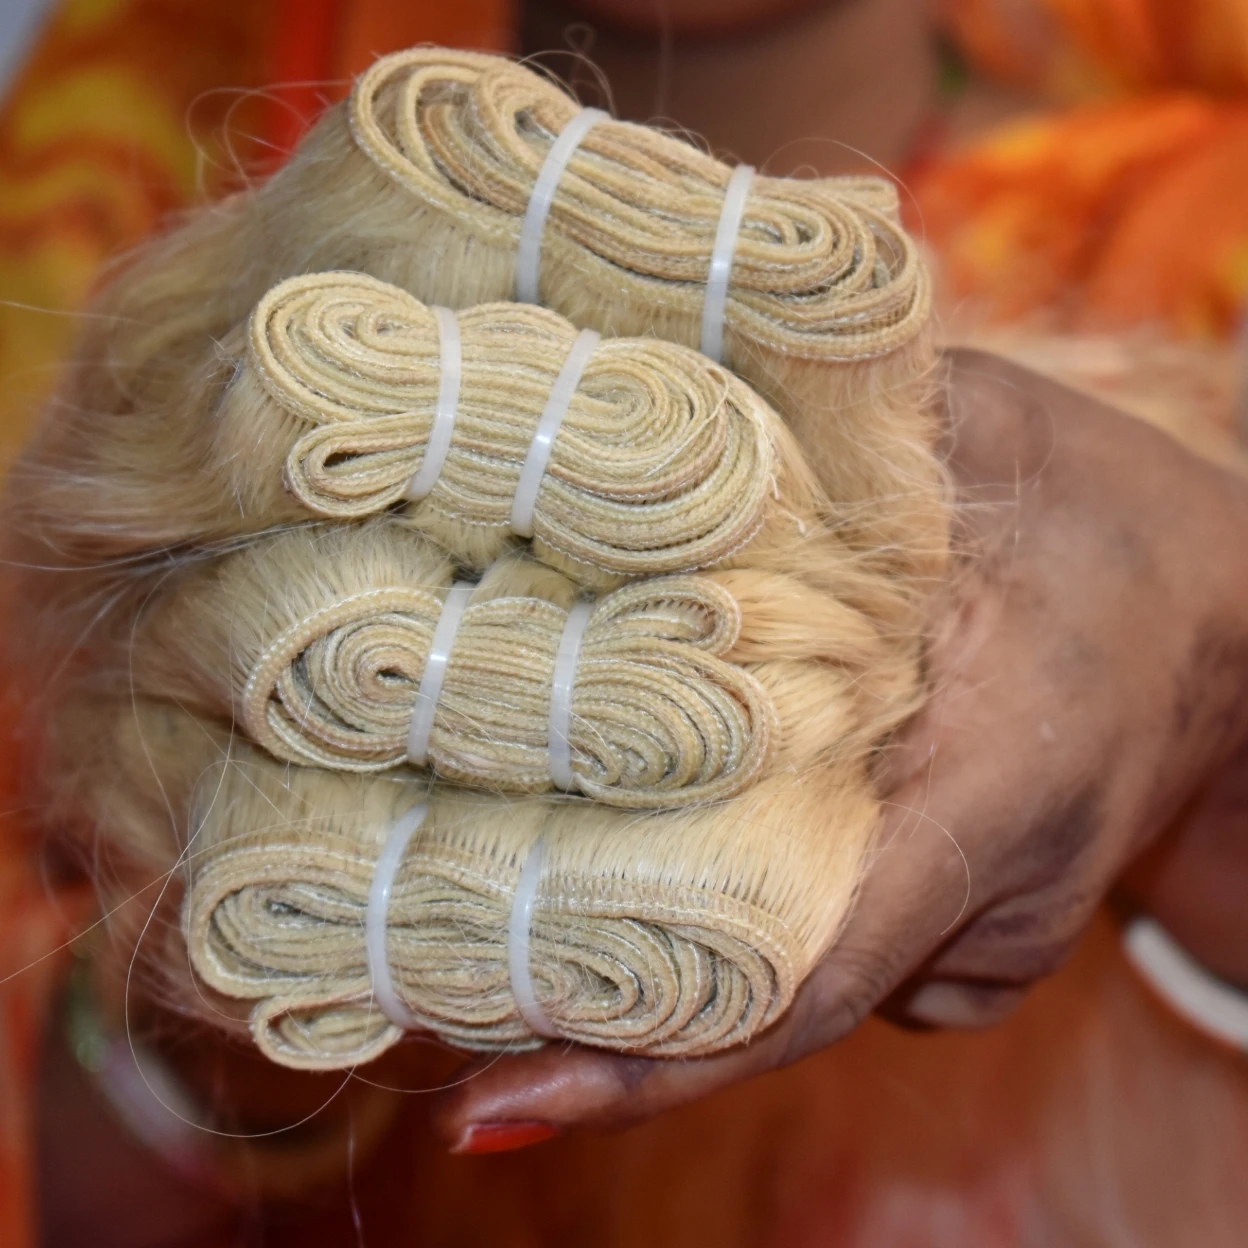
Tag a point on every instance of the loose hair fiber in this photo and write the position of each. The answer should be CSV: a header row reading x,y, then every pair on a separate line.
x,y
238,587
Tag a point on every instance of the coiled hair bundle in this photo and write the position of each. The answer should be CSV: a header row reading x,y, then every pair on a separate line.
x,y
240,470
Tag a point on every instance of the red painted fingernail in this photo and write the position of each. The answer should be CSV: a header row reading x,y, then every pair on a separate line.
x,y
501,1137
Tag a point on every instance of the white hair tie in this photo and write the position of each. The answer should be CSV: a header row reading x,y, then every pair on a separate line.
x,y
524,504
450,374
431,679
519,929
728,230
376,917
529,253
559,732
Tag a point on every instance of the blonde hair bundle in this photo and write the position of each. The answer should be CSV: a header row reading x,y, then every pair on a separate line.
x,y
423,179
660,461
655,933
819,269
316,642
700,620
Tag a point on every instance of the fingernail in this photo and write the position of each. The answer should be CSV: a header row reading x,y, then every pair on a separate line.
x,y
501,1137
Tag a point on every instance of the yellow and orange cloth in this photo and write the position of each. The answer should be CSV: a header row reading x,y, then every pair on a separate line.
x,y
1079,49
1127,203
125,113
129,110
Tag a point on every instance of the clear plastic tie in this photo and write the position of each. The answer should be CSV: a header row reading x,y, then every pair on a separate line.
x,y
524,504
376,918
431,679
559,734
715,302
529,254
450,374
519,939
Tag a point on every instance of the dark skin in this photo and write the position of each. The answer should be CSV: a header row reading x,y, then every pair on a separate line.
x,y
1091,671
1090,681
1092,677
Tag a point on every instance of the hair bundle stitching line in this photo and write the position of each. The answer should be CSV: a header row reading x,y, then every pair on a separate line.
x,y
314,390
319,656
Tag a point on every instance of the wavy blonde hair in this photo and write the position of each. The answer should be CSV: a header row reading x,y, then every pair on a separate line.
x,y
225,486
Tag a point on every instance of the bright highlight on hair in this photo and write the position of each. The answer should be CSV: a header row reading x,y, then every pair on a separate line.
x,y
323,531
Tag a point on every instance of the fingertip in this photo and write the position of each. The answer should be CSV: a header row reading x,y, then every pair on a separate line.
x,y
568,1087
559,1086
962,1004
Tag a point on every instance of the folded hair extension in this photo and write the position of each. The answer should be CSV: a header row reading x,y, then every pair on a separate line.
x,y
820,269
249,422
423,179
316,640
663,462
671,934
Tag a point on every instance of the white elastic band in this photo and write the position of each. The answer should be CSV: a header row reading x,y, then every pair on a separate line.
x,y
529,255
524,504
518,932
450,373
559,734
726,232
1205,1001
375,919
430,687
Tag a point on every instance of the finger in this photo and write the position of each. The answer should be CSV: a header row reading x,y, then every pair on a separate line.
x,y
562,1087
914,889
982,973
922,885
1022,940
964,1003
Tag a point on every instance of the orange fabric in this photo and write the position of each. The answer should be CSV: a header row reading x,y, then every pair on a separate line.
x,y
1082,47
1108,217
325,43
1130,209
29,969
126,112
36,921
131,109
96,149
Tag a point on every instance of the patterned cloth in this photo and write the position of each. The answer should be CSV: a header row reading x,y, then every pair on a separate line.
x,y
125,112
1128,204
1080,49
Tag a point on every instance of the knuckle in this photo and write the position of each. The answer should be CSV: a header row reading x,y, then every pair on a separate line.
x,y
1038,962
964,1004
1017,942
851,983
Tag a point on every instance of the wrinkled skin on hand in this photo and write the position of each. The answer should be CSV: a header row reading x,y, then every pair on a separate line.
x,y
1091,676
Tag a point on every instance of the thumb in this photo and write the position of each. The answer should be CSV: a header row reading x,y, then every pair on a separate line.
x,y
893,927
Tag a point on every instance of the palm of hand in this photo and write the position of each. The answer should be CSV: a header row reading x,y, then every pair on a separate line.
x,y
1090,668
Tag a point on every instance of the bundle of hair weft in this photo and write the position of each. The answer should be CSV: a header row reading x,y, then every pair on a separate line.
x,y
484,564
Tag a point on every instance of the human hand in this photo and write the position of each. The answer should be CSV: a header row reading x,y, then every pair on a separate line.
x,y
1090,672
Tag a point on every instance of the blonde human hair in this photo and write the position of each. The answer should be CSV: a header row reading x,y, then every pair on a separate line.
x,y
422,179
315,640
230,469
657,933
323,406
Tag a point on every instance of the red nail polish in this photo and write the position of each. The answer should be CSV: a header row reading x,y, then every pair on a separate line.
x,y
501,1137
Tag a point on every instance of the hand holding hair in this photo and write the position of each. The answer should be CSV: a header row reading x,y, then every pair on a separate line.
x,y
293,464
1089,681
